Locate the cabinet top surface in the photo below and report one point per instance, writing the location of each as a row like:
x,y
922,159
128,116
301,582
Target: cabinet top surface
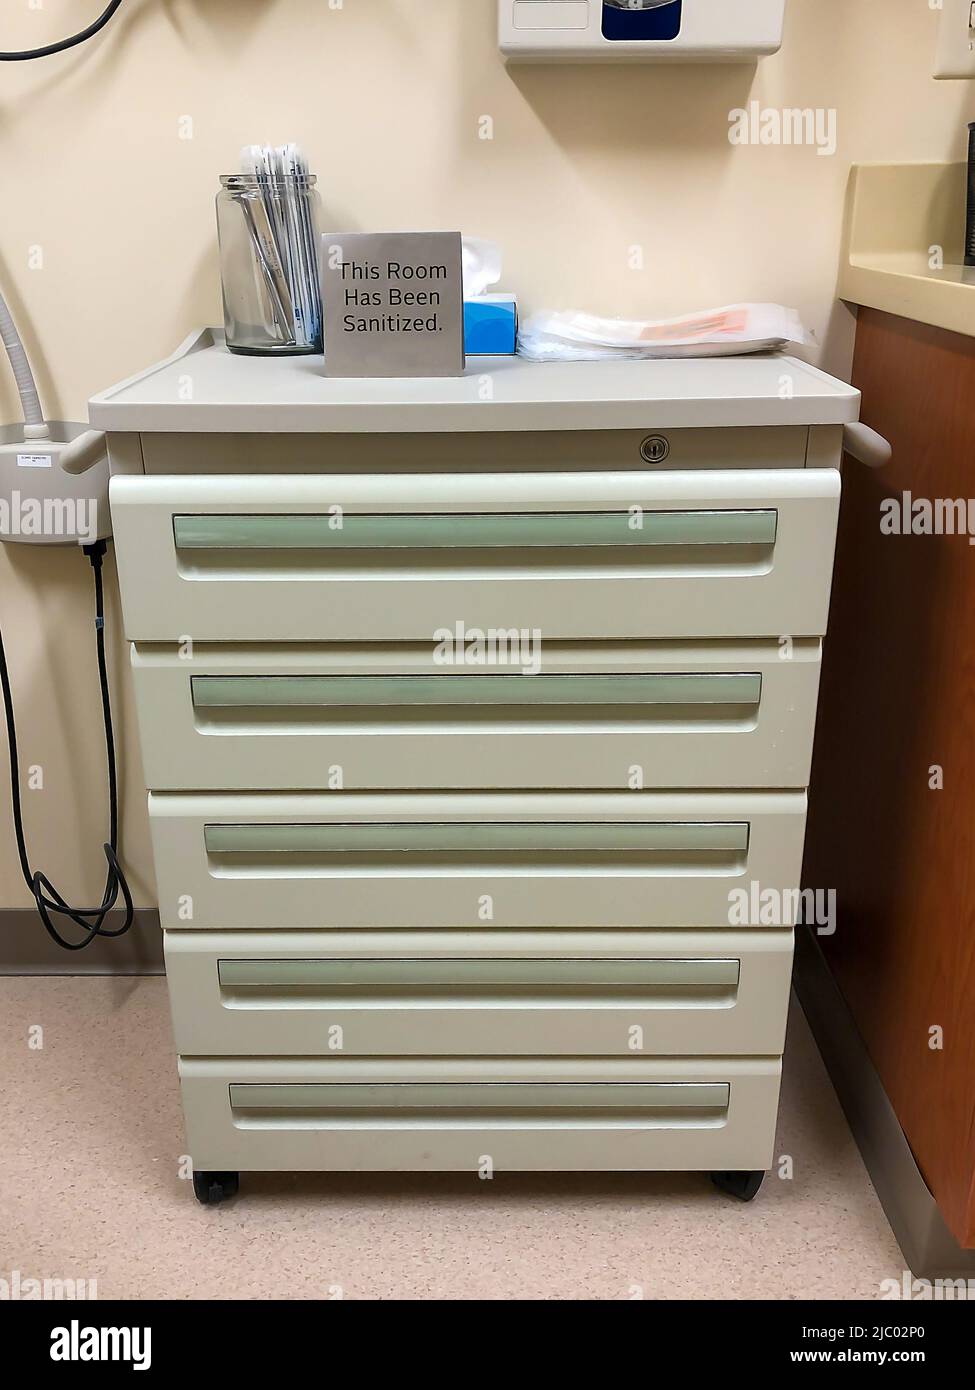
x,y
204,388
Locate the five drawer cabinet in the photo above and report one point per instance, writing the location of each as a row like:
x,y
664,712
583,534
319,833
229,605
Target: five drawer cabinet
x,y
458,780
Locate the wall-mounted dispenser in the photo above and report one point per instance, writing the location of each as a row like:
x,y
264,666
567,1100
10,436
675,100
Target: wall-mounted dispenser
x,y
54,490
639,30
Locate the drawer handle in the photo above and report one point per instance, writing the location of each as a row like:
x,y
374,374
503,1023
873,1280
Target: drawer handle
x,y
481,974
456,531
479,1097
692,837
296,692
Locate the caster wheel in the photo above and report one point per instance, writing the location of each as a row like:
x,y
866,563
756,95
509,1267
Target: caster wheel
x,y
744,1186
213,1188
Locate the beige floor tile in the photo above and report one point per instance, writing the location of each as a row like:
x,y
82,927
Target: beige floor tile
x,y
91,1136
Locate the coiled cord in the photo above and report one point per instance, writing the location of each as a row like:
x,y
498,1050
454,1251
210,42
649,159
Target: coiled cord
x,y
62,44
50,903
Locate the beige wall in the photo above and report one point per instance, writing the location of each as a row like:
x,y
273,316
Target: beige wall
x,y
386,96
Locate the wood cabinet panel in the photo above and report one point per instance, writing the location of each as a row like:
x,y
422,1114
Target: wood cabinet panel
x,y
898,700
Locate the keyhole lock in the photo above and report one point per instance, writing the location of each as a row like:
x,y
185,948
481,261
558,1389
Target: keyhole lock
x,y
655,448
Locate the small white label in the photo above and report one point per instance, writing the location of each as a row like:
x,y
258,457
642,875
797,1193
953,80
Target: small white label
x,y
34,461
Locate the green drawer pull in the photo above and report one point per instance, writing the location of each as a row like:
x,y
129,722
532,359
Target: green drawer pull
x,y
310,692
419,974
450,530
479,1096
403,837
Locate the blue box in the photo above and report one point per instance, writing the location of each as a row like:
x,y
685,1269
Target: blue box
x,y
491,325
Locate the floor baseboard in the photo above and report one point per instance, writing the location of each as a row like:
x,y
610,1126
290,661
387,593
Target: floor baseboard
x,y
26,948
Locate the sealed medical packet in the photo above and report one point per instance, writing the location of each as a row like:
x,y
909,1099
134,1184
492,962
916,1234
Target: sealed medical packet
x,y
735,328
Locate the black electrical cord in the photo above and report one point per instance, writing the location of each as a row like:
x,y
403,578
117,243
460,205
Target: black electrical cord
x,y
62,44
49,901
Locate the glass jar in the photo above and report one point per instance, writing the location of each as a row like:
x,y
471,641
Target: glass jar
x,y
268,233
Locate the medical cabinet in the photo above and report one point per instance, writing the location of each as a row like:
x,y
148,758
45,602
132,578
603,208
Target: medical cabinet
x,y
433,902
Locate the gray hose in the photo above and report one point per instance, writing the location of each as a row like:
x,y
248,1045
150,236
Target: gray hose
x,y
24,377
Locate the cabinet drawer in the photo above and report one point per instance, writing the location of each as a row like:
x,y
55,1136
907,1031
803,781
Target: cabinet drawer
x,y
529,451
458,1116
687,714
514,860
474,994
407,557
